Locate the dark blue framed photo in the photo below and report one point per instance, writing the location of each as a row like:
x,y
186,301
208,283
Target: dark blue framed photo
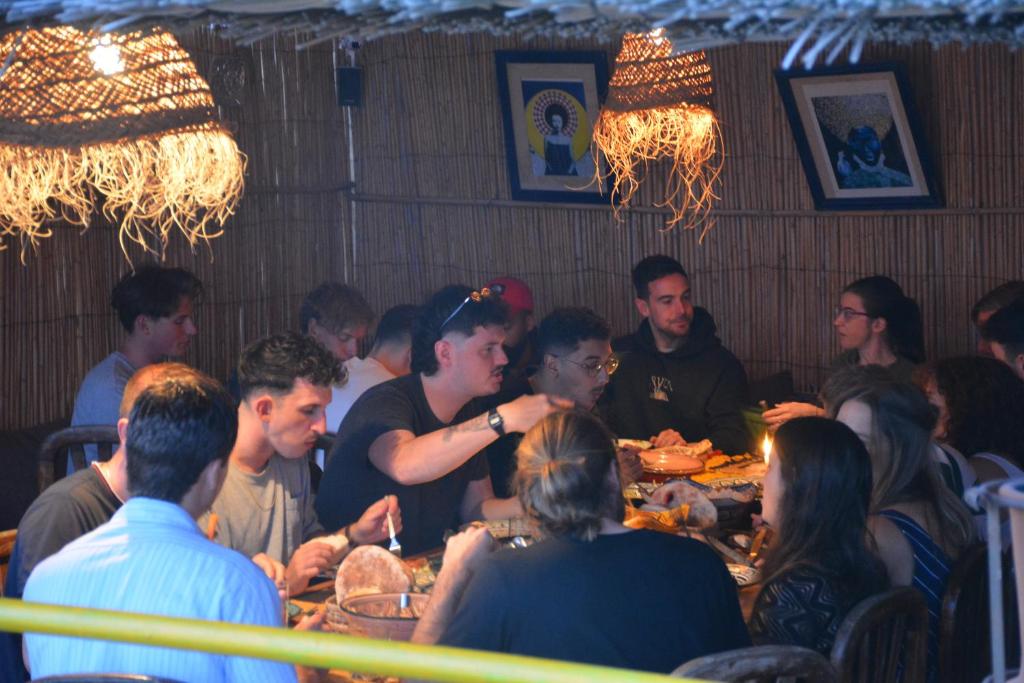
x,y
859,138
549,103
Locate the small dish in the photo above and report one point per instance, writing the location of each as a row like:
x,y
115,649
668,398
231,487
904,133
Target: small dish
x,y
743,575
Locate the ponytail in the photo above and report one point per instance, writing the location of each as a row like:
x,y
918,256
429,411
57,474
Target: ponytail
x,y
564,477
883,298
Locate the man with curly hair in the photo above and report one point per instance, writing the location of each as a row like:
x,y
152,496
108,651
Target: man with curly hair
x,y
266,503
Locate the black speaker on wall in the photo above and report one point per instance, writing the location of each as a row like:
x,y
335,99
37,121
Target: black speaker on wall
x,y
349,80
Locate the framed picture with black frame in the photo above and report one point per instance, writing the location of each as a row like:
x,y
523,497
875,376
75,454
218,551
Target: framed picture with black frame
x,y
549,103
859,138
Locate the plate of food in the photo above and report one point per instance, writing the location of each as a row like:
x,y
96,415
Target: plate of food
x,y
673,460
701,511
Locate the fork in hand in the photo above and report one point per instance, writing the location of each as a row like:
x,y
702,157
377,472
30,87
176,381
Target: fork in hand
x,y
395,548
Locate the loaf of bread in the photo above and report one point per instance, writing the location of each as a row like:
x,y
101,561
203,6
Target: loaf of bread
x,y
371,569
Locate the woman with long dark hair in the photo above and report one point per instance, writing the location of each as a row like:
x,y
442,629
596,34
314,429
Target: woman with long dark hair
x,y
919,524
816,497
876,324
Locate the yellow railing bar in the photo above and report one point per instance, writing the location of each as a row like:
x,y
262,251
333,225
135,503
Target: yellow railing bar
x,y
319,650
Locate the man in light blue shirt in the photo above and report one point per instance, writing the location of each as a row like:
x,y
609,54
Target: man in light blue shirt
x,y
151,556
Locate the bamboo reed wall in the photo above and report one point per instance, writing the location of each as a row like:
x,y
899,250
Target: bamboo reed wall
x,y
55,318
432,204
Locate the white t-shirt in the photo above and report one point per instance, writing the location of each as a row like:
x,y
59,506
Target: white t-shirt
x,y
363,373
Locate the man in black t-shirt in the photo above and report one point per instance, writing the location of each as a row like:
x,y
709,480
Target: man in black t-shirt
x,y
420,437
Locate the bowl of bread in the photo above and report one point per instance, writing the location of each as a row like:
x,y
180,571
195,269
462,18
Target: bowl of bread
x,y
373,598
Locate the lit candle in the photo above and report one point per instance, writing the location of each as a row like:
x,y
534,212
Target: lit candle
x,y
766,449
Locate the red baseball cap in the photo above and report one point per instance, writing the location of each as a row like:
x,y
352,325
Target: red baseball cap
x,y
513,292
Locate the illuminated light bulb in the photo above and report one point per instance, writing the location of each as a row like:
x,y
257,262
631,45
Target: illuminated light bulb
x,y
106,57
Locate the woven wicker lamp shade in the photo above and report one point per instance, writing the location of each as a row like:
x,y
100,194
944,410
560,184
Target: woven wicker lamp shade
x,y
121,121
659,107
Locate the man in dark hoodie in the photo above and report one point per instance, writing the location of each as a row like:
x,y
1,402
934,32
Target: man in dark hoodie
x,y
675,380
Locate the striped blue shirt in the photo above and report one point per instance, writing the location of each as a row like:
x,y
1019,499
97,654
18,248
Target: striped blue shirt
x,y
152,558
931,574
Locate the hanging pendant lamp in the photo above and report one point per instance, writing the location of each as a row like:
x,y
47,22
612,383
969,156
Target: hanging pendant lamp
x,y
121,122
659,107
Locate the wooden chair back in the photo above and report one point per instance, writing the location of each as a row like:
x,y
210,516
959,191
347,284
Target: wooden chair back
x,y
7,539
53,454
884,639
965,631
764,664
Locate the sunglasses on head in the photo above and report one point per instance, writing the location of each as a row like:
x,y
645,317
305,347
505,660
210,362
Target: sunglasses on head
x,y
475,297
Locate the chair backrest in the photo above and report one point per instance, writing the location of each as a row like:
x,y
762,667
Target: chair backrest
x,y
965,627
103,678
7,539
53,463
883,639
762,663
964,633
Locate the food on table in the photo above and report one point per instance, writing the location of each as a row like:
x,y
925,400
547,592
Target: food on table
x,y
695,449
717,461
502,529
371,569
741,541
338,542
635,444
750,468
672,459
744,492
702,512
667,521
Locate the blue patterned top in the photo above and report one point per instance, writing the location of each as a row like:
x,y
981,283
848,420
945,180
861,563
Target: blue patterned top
x,y
931,573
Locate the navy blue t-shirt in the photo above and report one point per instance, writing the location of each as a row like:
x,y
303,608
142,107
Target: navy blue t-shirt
x,y
637,600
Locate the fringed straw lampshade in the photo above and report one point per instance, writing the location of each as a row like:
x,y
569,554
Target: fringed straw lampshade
x,y
659,107
122,120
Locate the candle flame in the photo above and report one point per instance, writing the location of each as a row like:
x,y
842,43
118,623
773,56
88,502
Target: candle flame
x,y
766,448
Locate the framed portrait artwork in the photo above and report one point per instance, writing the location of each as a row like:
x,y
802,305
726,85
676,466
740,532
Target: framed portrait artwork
x,y
550,101
859,138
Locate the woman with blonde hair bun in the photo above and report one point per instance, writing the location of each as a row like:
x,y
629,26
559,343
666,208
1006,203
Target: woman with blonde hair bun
x,y
590,590
566,478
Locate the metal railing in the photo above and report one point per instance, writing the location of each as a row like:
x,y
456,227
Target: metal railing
x,y
313,649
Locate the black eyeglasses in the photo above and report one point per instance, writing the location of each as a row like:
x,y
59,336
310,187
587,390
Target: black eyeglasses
x,y
594,368
847,313
475,297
